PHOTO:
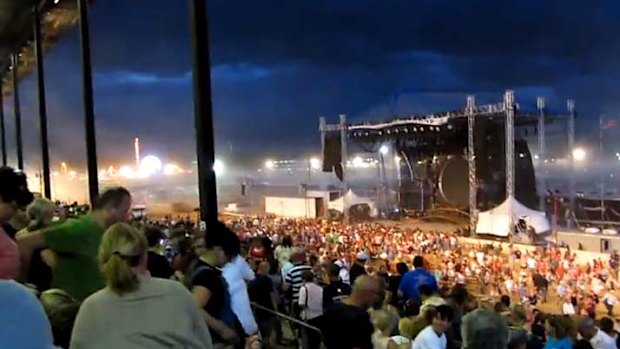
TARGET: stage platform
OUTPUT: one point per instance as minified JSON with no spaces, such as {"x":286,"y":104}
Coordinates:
{"x":589,"y":242}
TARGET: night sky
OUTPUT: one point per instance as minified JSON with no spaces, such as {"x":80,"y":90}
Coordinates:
{"x":278,"y":65}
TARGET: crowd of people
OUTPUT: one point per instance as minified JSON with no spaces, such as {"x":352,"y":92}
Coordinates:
{"x":103,"y":280}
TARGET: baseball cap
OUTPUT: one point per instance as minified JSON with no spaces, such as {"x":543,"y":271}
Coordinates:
{"x":14,"y":187}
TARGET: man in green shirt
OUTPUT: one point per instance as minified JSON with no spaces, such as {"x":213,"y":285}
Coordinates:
{"x":76,"y":244}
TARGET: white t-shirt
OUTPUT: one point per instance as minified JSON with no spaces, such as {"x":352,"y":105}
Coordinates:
{"x":602,"y":341}
{"x":428,"y":339}
{"x":311,"y":301}
{"x":568,"y":309}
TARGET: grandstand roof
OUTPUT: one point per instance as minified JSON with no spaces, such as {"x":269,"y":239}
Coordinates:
{"x":17,"y":32}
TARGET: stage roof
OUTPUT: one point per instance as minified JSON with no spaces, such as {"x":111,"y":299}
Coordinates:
{"x":17,"y":32}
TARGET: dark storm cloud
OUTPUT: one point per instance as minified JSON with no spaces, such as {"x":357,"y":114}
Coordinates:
{"x":279,"y":64}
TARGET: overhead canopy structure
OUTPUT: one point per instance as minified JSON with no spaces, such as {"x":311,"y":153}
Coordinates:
{"x":17,"y":31}
{"x":500,"y":221}
{"x":351,"y":199}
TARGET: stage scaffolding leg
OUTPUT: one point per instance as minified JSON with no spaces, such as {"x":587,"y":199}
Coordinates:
{"x":540,"y":103}
{"x":471,"y":163}
{"x":45,"y":154}
{"x":345,"y":174}
{"x":89,"y":108}
{"x":18,"y":113}
{"x":203,"y":112}
{"x":570,"y":104}
{"x":2,"y":126}
{"x":509,"y":105}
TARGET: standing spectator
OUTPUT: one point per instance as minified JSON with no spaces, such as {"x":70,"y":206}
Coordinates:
{"x":558,"y":332}
{"x":237,"y":273}
{"x":13,"y":195}
{"x":76,"y":242}
{"x":413,"y":279}
{"x":24,"y":324}
{"x":598,"y":338}
{"x":311,"y":304}
{"x":484,"y":329}
{"x":346,"y":324}
{"x":136,"y":311}
{"x":358,"y":268}
{"x":542,"y":286}
{"x":158,"y":265}
{"x":394,"y":283}
{"x":209,"y":287}
{"x":40,"y":215}
{"x":263,"y":293}
{"x":610,"y":301}
{"x":433,"y":336}
{"x":283,"y":251}
{"x":336,"y":290}
{"x":293,"y":280}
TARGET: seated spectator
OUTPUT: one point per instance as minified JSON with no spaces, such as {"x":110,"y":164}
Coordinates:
{"x":133,"y":310}
{"x":433,"y":336}
{"x":24,"y":324}
{"x":484,"y":329}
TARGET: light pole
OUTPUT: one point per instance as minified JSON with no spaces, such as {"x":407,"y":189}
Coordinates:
{"x":383,"y":151}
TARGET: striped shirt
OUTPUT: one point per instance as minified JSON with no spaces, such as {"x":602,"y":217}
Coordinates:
{"x":293,"y":278}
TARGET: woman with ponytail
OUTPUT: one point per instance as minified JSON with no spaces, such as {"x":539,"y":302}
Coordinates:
{"x":135,"y":310}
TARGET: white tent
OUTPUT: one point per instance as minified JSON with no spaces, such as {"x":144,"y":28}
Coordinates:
{"x":500,"y":221}
{"x":351,"y":199}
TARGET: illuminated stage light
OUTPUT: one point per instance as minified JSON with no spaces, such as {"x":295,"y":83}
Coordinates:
{"x":315,"y":163}
{"x":150,"y":165}
{"x":218,"y":167}
{"x":269,"y":164}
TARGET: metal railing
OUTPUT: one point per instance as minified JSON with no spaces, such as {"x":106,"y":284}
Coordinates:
{"x":304,"y":325}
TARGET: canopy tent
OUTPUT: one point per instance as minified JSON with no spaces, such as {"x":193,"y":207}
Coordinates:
{"x":500,"y":221}
{"x":351,"y":199}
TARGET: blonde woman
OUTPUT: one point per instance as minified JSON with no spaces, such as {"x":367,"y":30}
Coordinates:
{"x":135,"y":311}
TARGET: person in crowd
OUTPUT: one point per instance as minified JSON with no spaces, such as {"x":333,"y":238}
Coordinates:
{"x":429,"y":298}
{"x":382,"y":338}
{"x":263,"y":293}
{"x":61,"y":310}
{"x":433,"y":336}
{"x":412,"y":280}
{"x":335,"y":290}
{"x":394,"y":284}
{"x":598,"y":338}
{"x":359,"y":267}
{"x":607,"y":326}
{"x":293,"y":280}
{"x":40,"y":215}
{"x":558,"y":329}
{"x":283,"y":251}
{"x":135,"y":310}
{"x":76,"y":242}
{"x":567,"y":307}
{"x":14,"y":194}
{"x":582,"y":344}
{"x":158,"y":266}
{"x":610,"y":300}
{"x":346,"y":324}
{"x":24,"y":323}
{"x":237,"y":273}
{"x":484,"y":329}
{"x":311,"y":305}
{"x":209,"y":286}
{"x":542,"y":285}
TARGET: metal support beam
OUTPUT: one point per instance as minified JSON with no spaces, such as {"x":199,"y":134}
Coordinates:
{"x":45,"y":154}
{"x":570,"y":104}
{"x":2,"y":127}
{"x":509,"y":105}
{"x":471,"y":163}
{"x":89,"y":108}
{"x":542,"y":150}
{"x":18,"y":113}
{"x":344,"y":158}
{"x":203,"y":112}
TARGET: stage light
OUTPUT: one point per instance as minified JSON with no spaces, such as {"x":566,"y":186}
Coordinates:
{"x":150,"y":165}
{"x":218,"y":167}
{"x":315,"y":163}
{"x":269,"y":164}
{"x":579,"y":154}
{"x":171,"y":169}
{"x":56,"y":2}
{"x":357,"y":162}
{"x":384,"y":149}
{"x":397,"y":159}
